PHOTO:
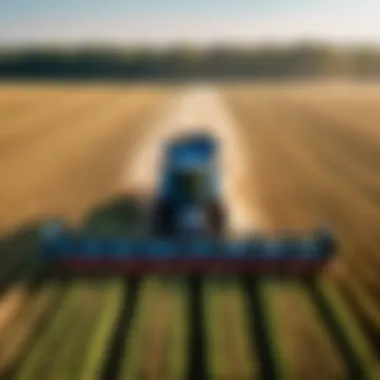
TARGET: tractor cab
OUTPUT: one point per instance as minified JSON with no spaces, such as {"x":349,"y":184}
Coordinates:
{"x":189,"y":200}
{"x":190,"y":171}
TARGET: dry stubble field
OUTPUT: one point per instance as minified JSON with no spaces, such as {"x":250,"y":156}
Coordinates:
{"x":314,"y":156}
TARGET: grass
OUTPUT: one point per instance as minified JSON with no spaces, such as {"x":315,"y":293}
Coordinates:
{"x":230,"y":349}
{"x":18,"y":338}
{"x":302,"y":344}
{"x":100,"y":336}
{"x":76,"y":343}
{"x":179,"y":333}
{"x":69,"y":360}
{"x":137,"y":338}
{"x":217,"y":355}
{"x":49,"y":342}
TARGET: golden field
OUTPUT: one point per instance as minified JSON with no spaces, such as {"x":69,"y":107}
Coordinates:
{"x":64,"y":148}
{"x":312,"y":154}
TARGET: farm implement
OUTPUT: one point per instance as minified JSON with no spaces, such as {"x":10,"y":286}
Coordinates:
{"x":185,"y":230}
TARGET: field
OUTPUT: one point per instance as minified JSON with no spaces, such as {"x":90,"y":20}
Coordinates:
{"x":296,"y":157}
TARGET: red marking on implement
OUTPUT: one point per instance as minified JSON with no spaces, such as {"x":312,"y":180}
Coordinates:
{"x":189,"y":266}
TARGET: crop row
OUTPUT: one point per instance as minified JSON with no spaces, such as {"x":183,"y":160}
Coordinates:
{"x":148,"y":328}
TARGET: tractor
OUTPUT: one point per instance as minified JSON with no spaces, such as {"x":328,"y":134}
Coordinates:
{"x":184,"y":229}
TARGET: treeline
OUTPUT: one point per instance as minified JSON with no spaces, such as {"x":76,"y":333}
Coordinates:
{"x":297,"y":61}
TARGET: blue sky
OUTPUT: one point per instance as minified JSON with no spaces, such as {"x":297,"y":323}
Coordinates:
{"x":195,"y":21}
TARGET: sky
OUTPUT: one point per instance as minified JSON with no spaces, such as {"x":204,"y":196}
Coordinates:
{"x":162,"y":22}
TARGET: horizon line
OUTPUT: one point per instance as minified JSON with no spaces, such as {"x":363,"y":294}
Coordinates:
{"x":61,"y":44}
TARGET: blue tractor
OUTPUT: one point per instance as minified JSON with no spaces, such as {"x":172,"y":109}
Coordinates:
{"x":187,"y":230}
{"x":189,"y":199}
